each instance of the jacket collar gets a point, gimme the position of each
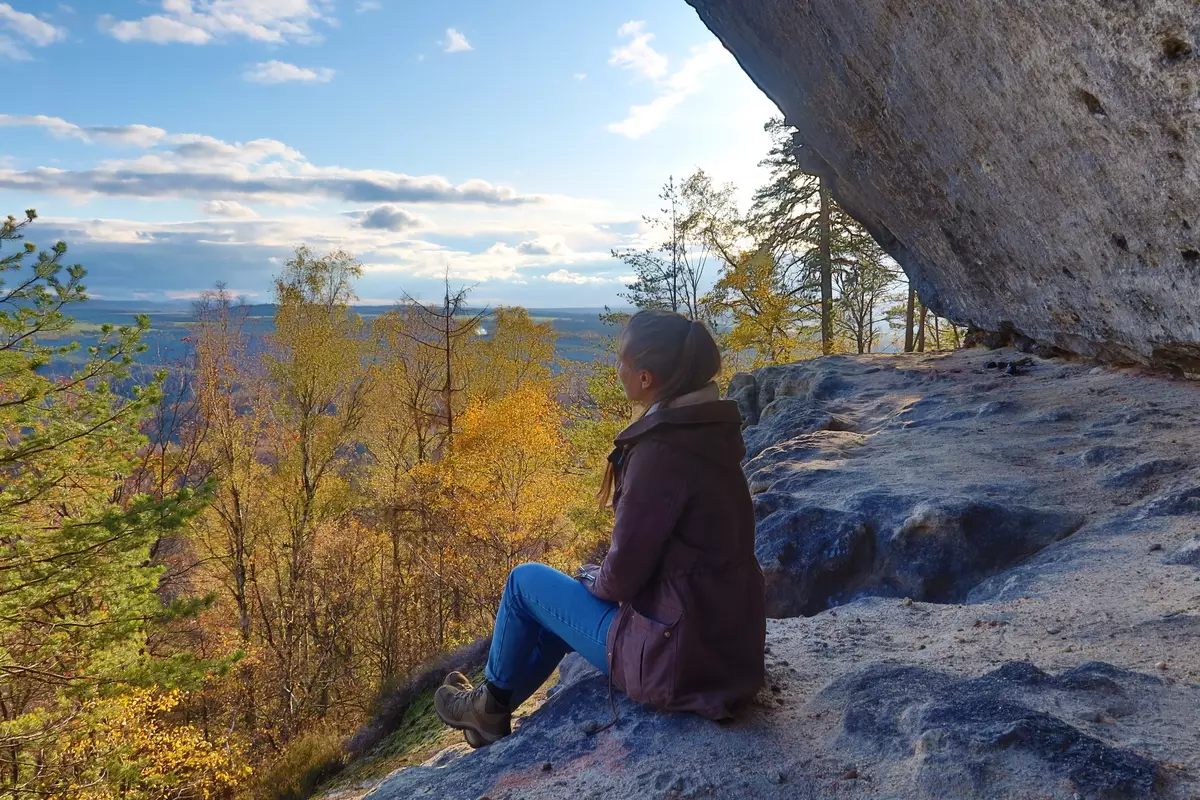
(702, 408)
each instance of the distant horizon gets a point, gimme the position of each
(117, 304)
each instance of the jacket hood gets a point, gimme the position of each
(711, 430)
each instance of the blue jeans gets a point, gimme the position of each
(545, 614)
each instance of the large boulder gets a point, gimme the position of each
(898, 731)
(812, 557)
(931, 548)
(1034, 167)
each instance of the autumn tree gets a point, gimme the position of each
(406, 418)
(770, 311)
(518, 353)
(131, 747)
(445, 329)
(922, 327)
(506, 489)
(316, 367)
(939, 332)
(405, 428)
(229, 399)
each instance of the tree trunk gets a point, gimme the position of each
(826, 274)
(237, 531)
(869, 325)
(674, 251)
(449, 390)
(921, 330)
(908, 319)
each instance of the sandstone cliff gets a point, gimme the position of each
(1033, 166)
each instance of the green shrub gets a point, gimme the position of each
(306, 763)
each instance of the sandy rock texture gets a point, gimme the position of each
(1004, 590)
(1034, 166)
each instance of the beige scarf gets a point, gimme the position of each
(705, 394)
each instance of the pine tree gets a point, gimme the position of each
(794, 217)
(77, 586)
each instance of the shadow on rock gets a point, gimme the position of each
(994, 736)
(935, 550)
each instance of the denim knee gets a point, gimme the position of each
(522, 574)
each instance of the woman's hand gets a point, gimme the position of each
(587, 573)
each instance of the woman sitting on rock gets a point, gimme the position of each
(675, 613)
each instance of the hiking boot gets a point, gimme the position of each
(472, 710)
(459, 682)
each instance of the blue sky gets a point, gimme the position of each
(176, 143)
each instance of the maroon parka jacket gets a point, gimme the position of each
(692, 625)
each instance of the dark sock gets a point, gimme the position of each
(501, 696)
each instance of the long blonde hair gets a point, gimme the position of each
(680, 353)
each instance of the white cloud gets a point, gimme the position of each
(240, 250)
(566, 276)
(255, 200)
(26, 27)
(202, 21)
(367, 5)
(282, 72)
(13, 51)
(424, 259)
(29, 27)
(132, 135)
(456, 42)
(645, 118)
(230, 209)
(156, 29)
(264, 170)
(580, 76)
(272, 182)
(637, 54)
(673, 87)
(500, 261)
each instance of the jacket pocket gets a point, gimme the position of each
(649, 658)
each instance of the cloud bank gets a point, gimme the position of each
(192, 166)
(200, 22)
